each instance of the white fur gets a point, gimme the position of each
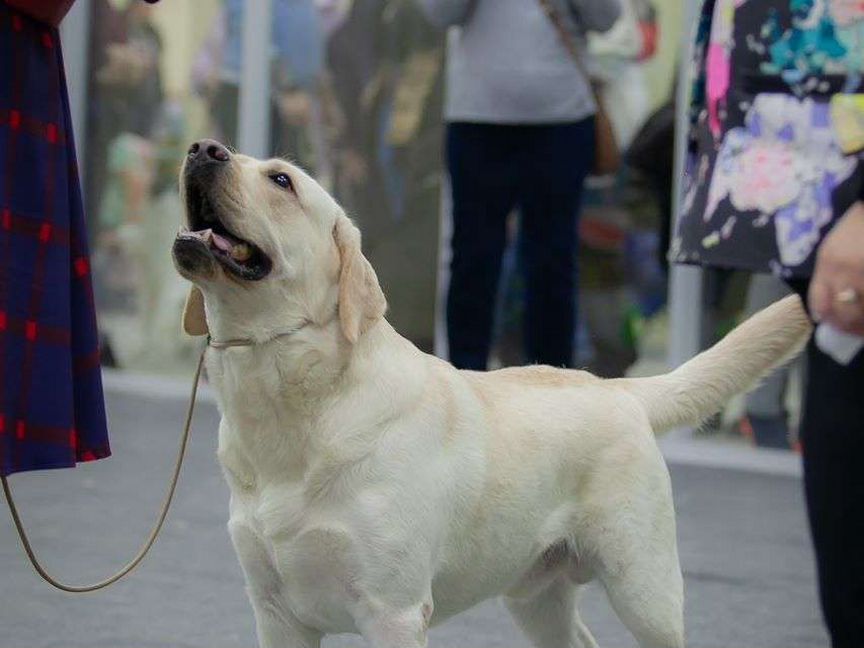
(376, 489)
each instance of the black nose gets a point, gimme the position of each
(206, 151)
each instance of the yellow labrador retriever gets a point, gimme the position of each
(375, 489)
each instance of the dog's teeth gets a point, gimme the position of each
(241, 252)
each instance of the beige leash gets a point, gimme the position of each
(154, 533)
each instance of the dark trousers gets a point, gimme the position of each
(833, 445)
(494, 168)
(832, 439)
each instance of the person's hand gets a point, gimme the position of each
(837, 289)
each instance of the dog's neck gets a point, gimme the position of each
(256, 317)
(271, 392)
(275, 395)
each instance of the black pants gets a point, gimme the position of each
(494, 168)
(833, 444)
(832, 437)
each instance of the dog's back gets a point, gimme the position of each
(692, 392)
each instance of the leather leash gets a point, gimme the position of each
(172, 484)
(154, 533)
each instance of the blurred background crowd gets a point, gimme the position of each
(357, 98)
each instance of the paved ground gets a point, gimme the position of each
(743, 540)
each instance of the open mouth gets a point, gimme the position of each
(241, 258)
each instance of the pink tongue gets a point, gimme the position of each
(222, 243)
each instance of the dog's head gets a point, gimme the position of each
(270, 246)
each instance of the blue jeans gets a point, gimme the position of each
(493, 169)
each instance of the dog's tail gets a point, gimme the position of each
(700, 387)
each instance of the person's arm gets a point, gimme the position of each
(596, 15)
(446, 13)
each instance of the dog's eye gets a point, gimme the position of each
(282, 180)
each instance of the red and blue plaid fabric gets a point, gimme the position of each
(52, 412)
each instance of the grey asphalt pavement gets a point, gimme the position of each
(743, 542)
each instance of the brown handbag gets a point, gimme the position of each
(47, 11)
(607, 155)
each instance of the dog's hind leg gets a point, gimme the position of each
(647, 596)
(550, 618)
(634, 553)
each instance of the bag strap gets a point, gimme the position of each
(565, 36)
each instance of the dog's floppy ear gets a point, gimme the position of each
(194, 318)
(361, 300)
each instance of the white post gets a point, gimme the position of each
(75, 35)
(253, 130)
(445, 254)
(445, 231)
(685, 283)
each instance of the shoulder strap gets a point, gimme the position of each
(564, 35)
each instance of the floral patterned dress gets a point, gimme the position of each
(776, 135)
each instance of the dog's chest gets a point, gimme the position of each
(297, 550)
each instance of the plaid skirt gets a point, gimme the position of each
(52, 412)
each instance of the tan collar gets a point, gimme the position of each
(248, 342)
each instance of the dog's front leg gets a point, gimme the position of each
(278, 628)
(387, 627)
(276, 625)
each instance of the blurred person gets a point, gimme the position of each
(126, 95)
(610, 243)
(622, 284)
(651, 153)
(355, 57)
(612, 235)
(163, 295)
(126, 89)
(412, 85)
(520, 132)
(52, 411)
(385, 64)
(123, 212)
(139, 206)
(297, 67)
(409, 155)
(614, 211)
(774, 184)
(333, 14)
